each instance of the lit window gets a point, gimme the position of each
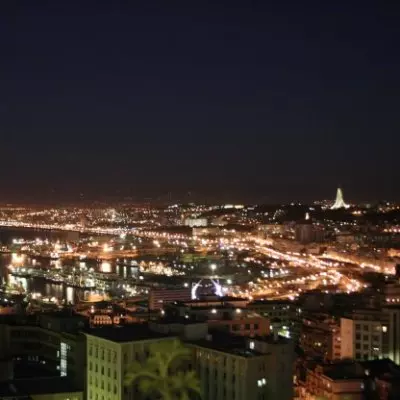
(251, 345)
(384, 328)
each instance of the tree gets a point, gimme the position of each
(162, 375)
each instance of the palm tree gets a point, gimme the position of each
(162, 375)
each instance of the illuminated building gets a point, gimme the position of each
(364, 335)
(339, 202)
(244, 369)
(286, 315)
(159, 297)
(334, 382)
(110, 351)
(196, 222)
(238, 321)
(375, 379)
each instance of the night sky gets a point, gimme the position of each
(249, 101)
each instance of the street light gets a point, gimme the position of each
(213, 267)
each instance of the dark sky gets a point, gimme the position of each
(242, 100)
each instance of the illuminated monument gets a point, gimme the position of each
(339, 202)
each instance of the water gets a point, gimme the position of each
(39, 285)
(48, 289)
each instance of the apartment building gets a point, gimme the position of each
(110, 351)
(237, 368)
(364, 335)
(393, 332)
(48, 345)
(320, 337)
(285, 314)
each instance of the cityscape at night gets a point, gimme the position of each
(199, 201)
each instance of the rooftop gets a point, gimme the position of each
(226, 343)
(127, 333)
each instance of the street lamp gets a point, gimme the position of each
(213, 267)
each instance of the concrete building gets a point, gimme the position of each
(110, 351)
(229, 366)
(364, 335)
(320, 337)
(393, 332)
(235, 320)
(376, 379)
(159, 297)
(335, 382)
(285, 314)
(259, 369)
(50, 345)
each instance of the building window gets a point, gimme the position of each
(366, 328)
(358, 336)
(365, 338)
(251, 344)
(358, 327)
(247, 327)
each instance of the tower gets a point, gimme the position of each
(339, 202)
